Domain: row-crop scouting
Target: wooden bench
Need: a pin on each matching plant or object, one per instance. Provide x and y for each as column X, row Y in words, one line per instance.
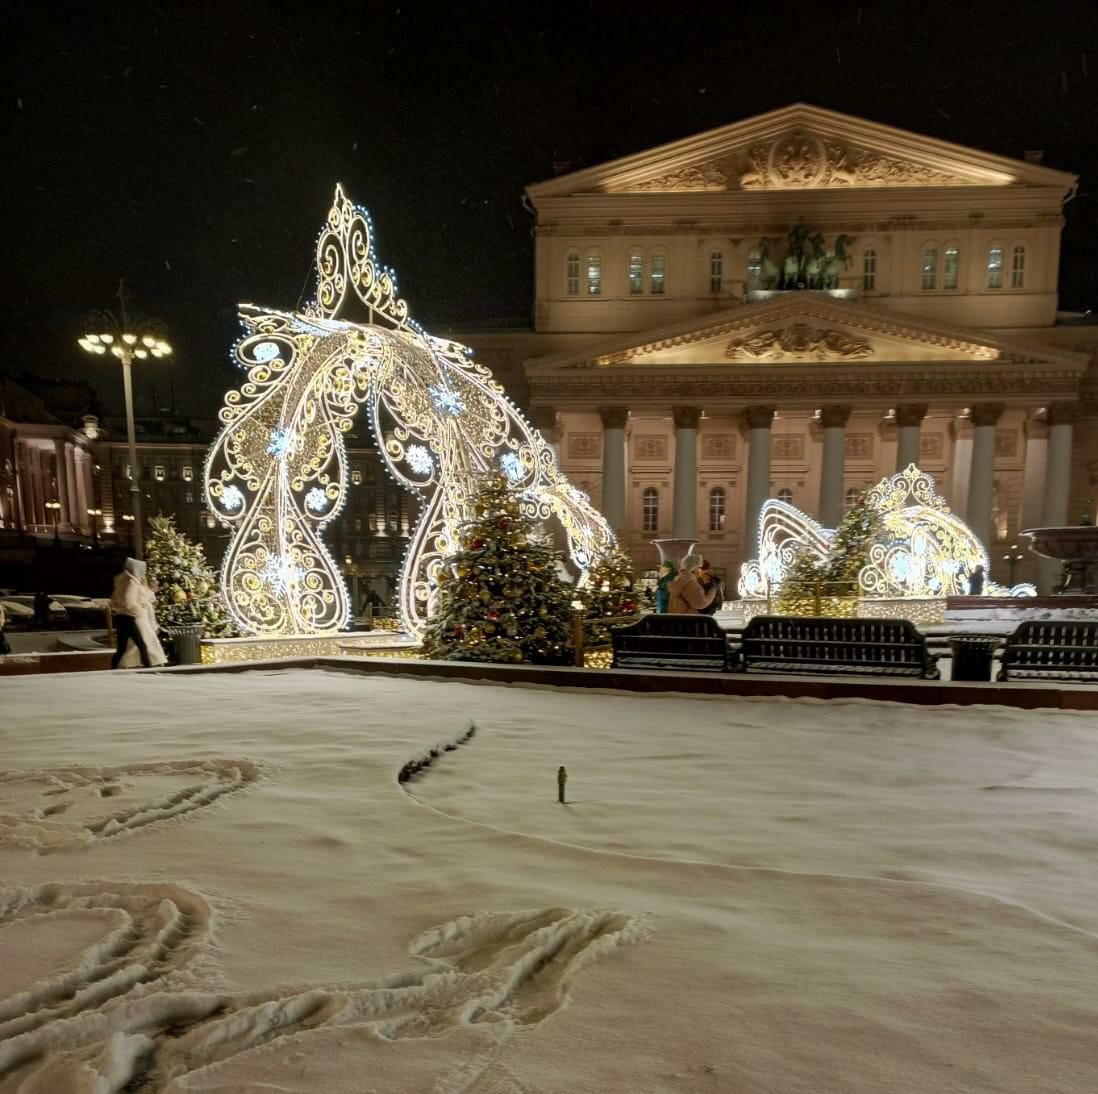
column 671, row 642
column 1051, row 650
column 880, row 647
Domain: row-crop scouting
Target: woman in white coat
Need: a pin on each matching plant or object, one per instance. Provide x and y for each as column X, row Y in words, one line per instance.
column 140, row 601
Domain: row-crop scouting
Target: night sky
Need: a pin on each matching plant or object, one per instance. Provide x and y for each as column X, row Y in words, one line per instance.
column 193, row 148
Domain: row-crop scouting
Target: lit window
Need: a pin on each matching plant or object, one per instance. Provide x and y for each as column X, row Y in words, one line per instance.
column 594, row 274
column 573, row 273
column 1018, row 267
column 716, row 272
column 716, row 509
column 930, row 267
column 851, row 497
column 951, row 267
column 650, row 509
column 786, row 495
column 358, row 524
column 754, row 268
column 869, row 270
column 659, row 279
column 636, row 273
column 356, row 476
column 188, row 473
column 158, row 472
column 394, row 519
column 995, row 268
column 129, row 471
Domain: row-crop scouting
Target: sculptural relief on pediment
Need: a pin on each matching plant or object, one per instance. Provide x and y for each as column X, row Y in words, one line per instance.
column 799, row 341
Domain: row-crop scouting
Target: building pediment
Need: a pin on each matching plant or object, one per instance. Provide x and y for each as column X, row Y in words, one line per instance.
column 802, row 147
column 800, row 329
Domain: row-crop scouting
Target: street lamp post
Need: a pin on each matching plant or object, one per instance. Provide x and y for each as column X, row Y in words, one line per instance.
column 1012, row 559
column 127, row 339
column 54, row 507
column 95, row 514
column 129, row 519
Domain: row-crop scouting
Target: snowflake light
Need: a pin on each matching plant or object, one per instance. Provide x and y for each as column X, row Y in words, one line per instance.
column 316, row 500
column 419, row 459
column 308, row 373
column 232, row 498
column 511, row 466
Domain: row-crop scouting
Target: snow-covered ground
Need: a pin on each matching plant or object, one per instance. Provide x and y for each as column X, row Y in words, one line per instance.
column 215, row 883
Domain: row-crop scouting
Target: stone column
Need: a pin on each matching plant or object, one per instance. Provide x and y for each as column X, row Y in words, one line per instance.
column 77, row 509
column 961, row 429
column 1034, row 473
column 981, row 479
column 546, row 422
column 758, row 420
column 39, row 485
column 833, row 419
column 909, row 420
column 1057, row 484
column 63, row 514
column 684, row 524
column 89, row 480
column 613, row 465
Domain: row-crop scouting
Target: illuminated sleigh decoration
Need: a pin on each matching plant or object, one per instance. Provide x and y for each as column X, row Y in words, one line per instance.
column 277, row 474
column 929, row 553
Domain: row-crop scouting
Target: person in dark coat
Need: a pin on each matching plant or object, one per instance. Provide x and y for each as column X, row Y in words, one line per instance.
column 667, row 573
column 41, row 610
column 976, row 582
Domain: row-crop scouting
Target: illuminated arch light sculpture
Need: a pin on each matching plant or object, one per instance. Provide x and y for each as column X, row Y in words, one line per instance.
column 277, row 473
column 930, row 553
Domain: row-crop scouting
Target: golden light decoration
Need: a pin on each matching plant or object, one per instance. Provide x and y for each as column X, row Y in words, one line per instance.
column 930, row 553
column 277, row 473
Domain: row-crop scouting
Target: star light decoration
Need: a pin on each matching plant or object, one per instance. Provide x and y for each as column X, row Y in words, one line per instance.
column 282, row 440
column 930, row 554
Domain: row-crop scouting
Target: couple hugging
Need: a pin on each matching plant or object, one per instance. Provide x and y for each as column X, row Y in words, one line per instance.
column 691, row 590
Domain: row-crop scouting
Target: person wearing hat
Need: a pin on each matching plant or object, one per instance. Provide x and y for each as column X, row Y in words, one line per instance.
column 667, row 573
column 686, row 596
column 127, row 604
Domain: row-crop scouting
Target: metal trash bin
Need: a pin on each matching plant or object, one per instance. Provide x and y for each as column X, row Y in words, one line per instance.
column 972, row 656
column 185, row 641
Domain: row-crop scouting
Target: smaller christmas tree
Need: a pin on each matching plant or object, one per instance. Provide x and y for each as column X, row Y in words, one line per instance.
column 187, row 591
column 499, row 596
column 609, row 592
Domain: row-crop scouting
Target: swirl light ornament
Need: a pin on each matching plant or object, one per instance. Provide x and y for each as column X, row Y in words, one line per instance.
column 930, row 553
column 277, row 473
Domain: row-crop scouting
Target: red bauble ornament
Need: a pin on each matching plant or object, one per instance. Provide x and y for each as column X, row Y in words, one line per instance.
column 477, row 544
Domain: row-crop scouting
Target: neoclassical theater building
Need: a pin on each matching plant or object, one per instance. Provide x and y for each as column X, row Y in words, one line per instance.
column 794, row 306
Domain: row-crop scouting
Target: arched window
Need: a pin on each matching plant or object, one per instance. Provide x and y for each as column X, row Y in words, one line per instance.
column 786, row 495
column 930, row 267
column 1018, row 266
column 594, row 274
column 650, row 509
column 572, row 272
column 869, row 270
column 995, row 267
column 716, row 272
column 636, row 273
column 659, row 273
column 754, row 269
column 850, row 498
column 716, row 509
column 952, row 266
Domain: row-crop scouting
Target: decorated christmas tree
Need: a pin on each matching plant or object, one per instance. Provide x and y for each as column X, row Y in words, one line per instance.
column 187, row 591
column 608, row 592
column 499, row 596
column 832, row 582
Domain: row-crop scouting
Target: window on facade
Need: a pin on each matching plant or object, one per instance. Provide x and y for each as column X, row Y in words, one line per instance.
column 636, row 273
column 951, row 268
column 930, row 267
column 358, row 524
column 869, row 270
column 659, row 274
column 716, row 272
column 650, row 509
column 187, row 473
column 995, row 268
column 1018, row 267
column 754, row 268
column 850, row 498
column 189, row 497
column 356, row 476
column 394, row 519
column 129, row 471
column 716, row 509
column 158, row 472
column 786, row 495
column 594, row 274
column 572, row 273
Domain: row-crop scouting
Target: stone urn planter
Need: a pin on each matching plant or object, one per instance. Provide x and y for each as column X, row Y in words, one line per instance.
column 1077, row 547
column 674, row 550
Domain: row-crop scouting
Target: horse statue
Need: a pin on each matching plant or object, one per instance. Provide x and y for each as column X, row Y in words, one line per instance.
column 838, row 262
column 768, row 268
column 277, row 473
column 814, row 265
